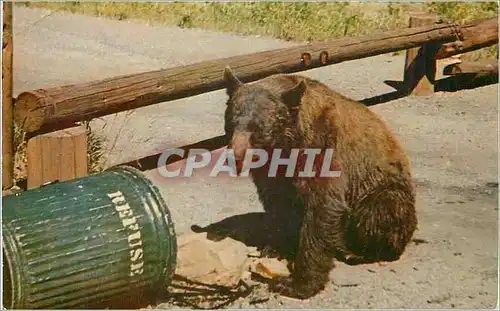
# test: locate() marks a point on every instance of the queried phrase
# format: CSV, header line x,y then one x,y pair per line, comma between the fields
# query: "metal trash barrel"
x,y
87,243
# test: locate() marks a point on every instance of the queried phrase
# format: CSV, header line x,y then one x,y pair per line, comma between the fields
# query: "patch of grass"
x,y
289,21
463,12
20,157
95,150
298,21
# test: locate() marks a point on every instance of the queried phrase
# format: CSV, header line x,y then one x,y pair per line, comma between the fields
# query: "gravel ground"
x,y
451,139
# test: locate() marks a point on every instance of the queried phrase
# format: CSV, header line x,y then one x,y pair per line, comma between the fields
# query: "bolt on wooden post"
x,y
7,109
420,65
60,155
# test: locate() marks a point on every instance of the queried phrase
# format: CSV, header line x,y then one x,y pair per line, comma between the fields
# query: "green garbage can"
x,y
87,243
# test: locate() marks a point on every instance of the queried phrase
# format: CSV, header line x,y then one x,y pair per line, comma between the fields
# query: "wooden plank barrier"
x,y
50,109
60,155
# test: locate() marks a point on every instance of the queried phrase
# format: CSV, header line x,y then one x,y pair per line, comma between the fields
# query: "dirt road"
x,y
451,138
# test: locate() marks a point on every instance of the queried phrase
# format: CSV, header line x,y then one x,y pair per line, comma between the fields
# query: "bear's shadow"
x,y
258,229
272,237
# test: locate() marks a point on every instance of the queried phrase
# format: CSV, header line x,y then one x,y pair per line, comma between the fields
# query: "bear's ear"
x,y
293,96
232,83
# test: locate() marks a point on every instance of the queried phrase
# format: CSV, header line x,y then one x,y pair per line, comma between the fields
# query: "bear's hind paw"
x,y
286,286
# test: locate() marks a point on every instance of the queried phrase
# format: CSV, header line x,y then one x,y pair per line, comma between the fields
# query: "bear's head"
x,y
259,117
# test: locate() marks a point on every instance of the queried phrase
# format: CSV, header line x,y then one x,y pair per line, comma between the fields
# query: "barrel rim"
x,y
12,250
170,258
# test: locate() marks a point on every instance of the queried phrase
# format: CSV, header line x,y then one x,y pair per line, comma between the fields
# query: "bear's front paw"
x,y
286,286
269,252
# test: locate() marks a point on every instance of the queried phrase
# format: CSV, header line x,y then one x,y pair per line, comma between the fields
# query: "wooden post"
x,y
60,155
7,109
420,65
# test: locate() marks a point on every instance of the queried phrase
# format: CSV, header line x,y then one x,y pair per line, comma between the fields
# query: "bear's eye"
x,y
228,126
252,127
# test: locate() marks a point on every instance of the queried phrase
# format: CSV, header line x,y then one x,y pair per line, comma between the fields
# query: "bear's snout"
x,y
240,142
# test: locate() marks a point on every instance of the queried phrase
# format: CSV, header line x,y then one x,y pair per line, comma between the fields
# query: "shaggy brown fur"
x,y
367,213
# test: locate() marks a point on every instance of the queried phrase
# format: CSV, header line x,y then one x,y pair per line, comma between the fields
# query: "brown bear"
x,y
366,214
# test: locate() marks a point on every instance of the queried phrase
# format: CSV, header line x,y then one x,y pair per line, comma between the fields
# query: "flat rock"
x,y
223,263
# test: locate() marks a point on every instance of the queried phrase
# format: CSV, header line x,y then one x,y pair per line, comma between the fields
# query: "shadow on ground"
x,y
455,83
258,229
196,295
272,238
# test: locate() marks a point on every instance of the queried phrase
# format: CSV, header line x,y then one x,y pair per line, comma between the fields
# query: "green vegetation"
x,y
298,21
462,12
284,20
95,150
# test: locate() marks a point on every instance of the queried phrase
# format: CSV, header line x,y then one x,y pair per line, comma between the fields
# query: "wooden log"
x,y
61,155
49,109
484,35
7,104
420,65
478,68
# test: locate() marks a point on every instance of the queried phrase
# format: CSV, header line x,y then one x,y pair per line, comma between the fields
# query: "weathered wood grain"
x,y
60,155
474,38
7,105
